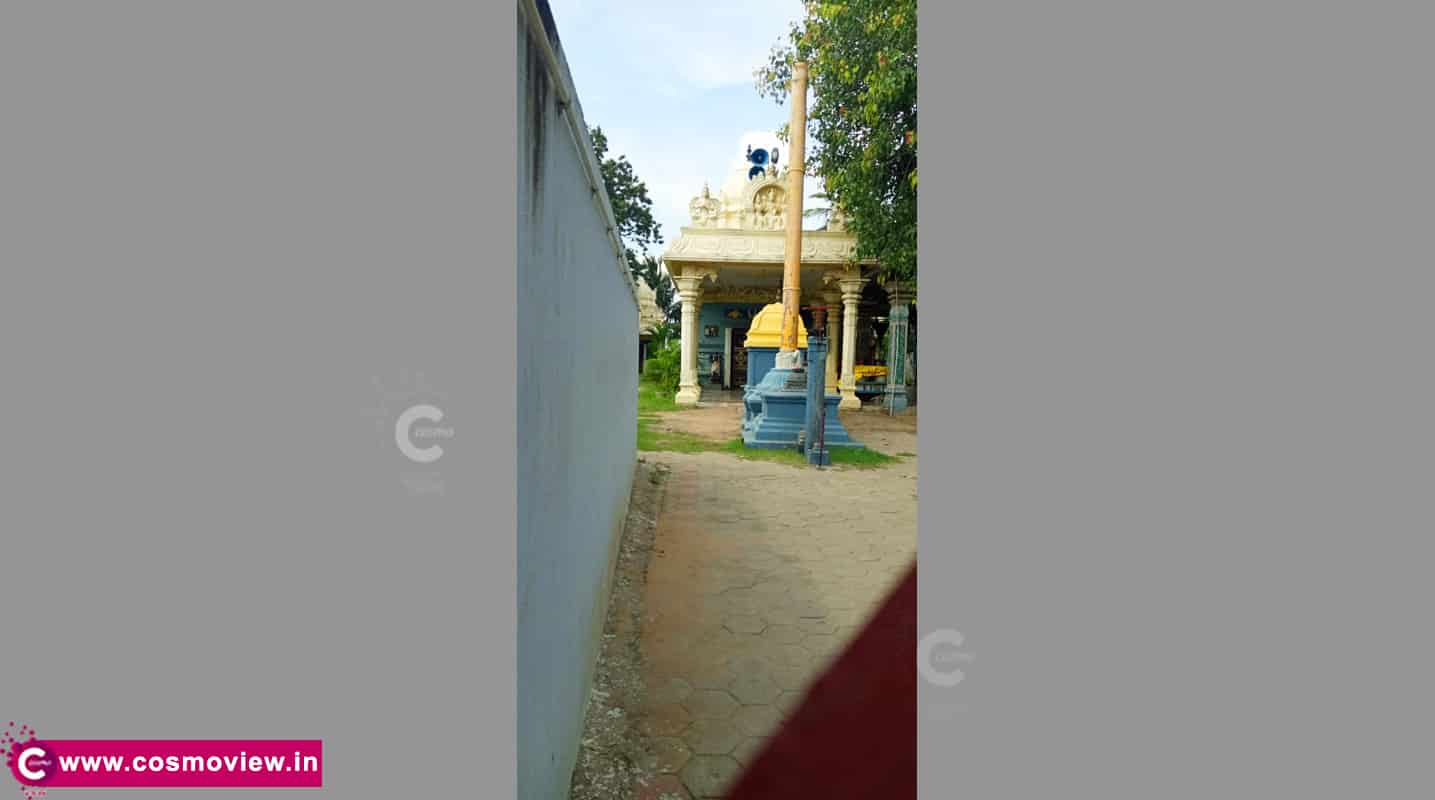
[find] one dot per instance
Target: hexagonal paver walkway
(760, 573)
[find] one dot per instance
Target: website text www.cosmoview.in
(168, 763)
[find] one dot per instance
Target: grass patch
(859, 457)
(651, 398)
(670, 441)
(737, 448)
(653, 440)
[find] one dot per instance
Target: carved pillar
(900, 295)
(851, 294)
(699, 368)
(691, 292)
(833, 299)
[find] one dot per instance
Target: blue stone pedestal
(762, 359)
(775, 412)
(835, 435)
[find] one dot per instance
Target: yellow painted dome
(766, 330)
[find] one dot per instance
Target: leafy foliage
(651, 400)
(664, 332)
(819, 211)
(664, 368)
(862, 69)
(628, 196)
(633, 211)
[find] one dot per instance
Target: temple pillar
(851, 295)
(833, 299)
(698, 367)
(690, 292)
(900, 295)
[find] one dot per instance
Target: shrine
(728, 264)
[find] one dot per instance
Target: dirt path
(753, 576)
(612, 759)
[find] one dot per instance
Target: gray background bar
(1178, 505)
(233, 235)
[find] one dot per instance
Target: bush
(664, 367)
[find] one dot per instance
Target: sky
(671, 85)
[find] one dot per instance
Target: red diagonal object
(855, 734)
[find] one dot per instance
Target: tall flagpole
(792, 257)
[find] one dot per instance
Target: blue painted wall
(716, 315)
(577, 419)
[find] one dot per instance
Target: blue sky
(671, 84)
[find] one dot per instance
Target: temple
(727, 264)
(650, 316)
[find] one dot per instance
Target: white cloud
(678, 45)
(636, 59)
(705, 58)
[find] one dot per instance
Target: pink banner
(161, 763)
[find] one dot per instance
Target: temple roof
(746, 221)
(649, 314)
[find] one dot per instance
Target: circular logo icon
(406, 431)
(932, 665)
(34, 763)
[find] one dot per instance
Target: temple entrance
(739, 358)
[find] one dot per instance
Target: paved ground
(758, 574)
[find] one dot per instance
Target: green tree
(663, 368)
(663, 332)
(862, 68)
(632, 208)
(633, 211)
